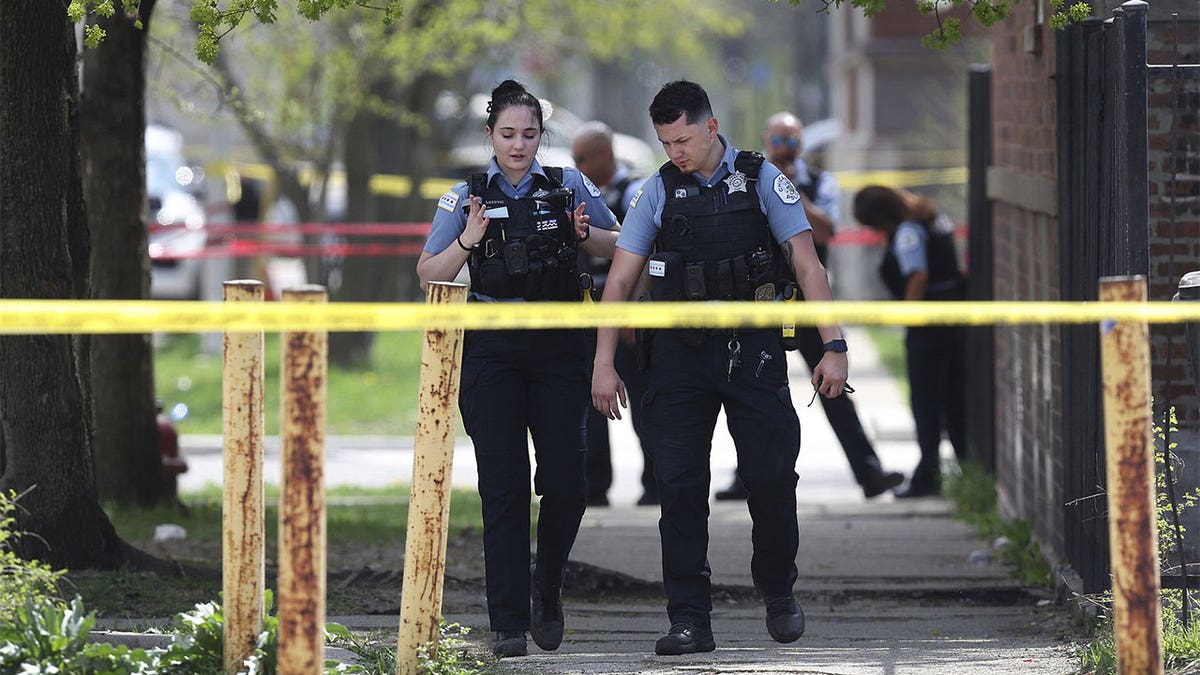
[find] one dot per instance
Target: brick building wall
(1022, 183)
(1167, 105)
(1029, 464)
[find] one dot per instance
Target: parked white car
(176, 217)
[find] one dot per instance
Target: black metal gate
(1104, 229)
(1103, 221)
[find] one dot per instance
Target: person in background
(783, 140)
(921, 263)
(717, 224)
(592, 150)
(518, 228)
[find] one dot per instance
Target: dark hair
(511, 93)
(880, 208)
(680, 98)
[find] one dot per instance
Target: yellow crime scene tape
(134, 316)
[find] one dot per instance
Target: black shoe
(647, 499)
(546, 614)
(597, 500)
(916, 490)
(509, 643)
(880, 482)
(734, 491)
(785, 619)
(685, 638)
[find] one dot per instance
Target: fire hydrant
(168, 446)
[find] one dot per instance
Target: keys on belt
(735, 357)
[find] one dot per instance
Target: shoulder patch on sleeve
(448, 201)
(591, 187)
(907, 240)
(637, 196)
(786, 191)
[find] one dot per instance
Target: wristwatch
(836, 345)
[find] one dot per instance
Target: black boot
(880, 482)
(509, 643)
(785, 619)
(546, 614)
(685, 638)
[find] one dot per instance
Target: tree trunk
(43, 255)
(124, 433)
(353, 349)
(384, 145)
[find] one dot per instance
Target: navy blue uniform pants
(517, 384)
(937, 390)
(841, 413)
(599, 461)
(689, 384)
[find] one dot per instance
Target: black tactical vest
(720, 232)
(946, 280)
(532, 252)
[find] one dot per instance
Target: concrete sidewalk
(888, 586)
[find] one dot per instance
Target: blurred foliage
(304, 80)
(949, 28)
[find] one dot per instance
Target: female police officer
(716, 220)
(921, 263)
(518, 228)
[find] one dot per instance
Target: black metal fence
(981, 340)
(1104, 229)
(1103, 221)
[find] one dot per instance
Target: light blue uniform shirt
(777, 197)
(909, 246)
(828, 194)
(450, 220)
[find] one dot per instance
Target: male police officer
(715, 220)
(783, 142)
(592, 151)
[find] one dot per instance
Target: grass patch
(1181, 648)
(973, 493)
(366, 528)
(380, 399)
(1181, 644)
(889, 344)
(354, 515)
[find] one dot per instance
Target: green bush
(1181, 644)
(19, 579)
(41, 633)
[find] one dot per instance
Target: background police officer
(592, 151)
(783, 142)
(518, 236)
(921, 263)
(715, 219)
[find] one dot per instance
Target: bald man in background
(592, 150)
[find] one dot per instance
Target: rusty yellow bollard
(303, 375)
(429, 499)
(243, 559)
(1129, 446)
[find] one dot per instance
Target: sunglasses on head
(791, 141)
